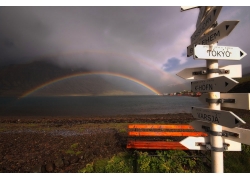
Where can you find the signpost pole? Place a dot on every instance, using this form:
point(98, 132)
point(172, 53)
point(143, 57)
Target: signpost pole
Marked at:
point(216, 141)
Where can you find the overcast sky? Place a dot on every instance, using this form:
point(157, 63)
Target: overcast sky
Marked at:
point(148, 43)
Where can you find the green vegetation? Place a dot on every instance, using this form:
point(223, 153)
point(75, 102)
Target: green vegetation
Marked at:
point(237, 162)
point(73, 150)
point(170, 161)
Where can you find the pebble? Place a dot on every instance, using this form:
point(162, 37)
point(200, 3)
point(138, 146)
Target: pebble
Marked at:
point(49, 167)
point(59, 163)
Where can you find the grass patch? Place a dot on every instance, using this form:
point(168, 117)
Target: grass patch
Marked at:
point(237, 162)
point(172, 161)
point(73, 150)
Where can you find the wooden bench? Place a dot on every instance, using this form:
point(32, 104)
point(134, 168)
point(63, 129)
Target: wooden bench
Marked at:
point(137, 133)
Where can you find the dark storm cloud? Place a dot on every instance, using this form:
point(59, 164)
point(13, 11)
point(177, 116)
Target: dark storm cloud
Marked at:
point(38, 30)
point(135, 41)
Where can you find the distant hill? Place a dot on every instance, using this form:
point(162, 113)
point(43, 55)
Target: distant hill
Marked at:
point(175, 88)
point(17, 79)
point(243, 86)
point(246, 71)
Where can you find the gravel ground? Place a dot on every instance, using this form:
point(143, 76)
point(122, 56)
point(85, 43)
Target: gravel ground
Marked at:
point(67, 144)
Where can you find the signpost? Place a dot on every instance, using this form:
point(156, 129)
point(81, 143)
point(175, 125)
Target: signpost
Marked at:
point(199, 73)
point(235, 134)
point(231, 100)
point(217, 84)
point(224, 118)
point(218, 52)
point(202, 143)
point(206, 23)
point(216, 34)
point(203, 10)
point(217, 80)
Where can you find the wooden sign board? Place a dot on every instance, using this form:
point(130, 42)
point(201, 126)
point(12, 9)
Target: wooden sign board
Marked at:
point(237, 134)
point(224, 118)
point(218, 52)
point(235, 71)
point(218, 84)
point(242, 100)
point(192, 143)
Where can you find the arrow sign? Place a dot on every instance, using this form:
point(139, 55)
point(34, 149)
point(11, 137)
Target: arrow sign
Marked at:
point(218, 52)
point(242, 100)
point(184, 8)
point(202, 13)
point(218, 84)
point(206, 23)
point(192, 143)
point(235, 71)
point(243, 134)
point(219, 32)
point(224, 118)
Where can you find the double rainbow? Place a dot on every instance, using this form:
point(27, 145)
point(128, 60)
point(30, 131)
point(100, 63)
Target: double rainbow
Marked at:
point(90, 73)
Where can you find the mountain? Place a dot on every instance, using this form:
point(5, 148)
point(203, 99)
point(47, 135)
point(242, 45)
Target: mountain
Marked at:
point(175, 87)
point(243, 86)
point(246, 71)
point(16, 80)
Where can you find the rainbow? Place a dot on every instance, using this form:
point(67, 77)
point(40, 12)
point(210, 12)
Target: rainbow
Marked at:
point(90, 73)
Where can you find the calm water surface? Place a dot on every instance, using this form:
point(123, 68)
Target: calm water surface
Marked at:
point(97, 105)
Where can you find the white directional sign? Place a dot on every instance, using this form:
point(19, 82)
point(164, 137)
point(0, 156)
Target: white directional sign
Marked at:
point(184, 8)
point(242, 100)
point(235, 71)
point(192, 143)
point(219, 32)
point(235, 134)
point(202, 13)
point(224, 118)
point(218, 52)
point(206, 23)
point(218, 84)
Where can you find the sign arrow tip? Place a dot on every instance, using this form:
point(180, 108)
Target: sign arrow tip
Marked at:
point(227, 26)
point(241, 53)
point(226, 83)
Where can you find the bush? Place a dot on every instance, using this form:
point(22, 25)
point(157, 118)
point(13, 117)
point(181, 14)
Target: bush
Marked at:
point(171, 161)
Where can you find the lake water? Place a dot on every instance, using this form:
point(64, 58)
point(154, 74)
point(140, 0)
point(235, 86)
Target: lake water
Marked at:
point(87, 106)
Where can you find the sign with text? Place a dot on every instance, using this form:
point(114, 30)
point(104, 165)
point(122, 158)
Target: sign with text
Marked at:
point(235, 71)
point(224, 118)
point(185, 8)
point(235, 134)
point(218, 52)
point(192, 143)
point(218, 84)
point(242, 100)
point(219, 32)
point(202, 14)
point(207, 22)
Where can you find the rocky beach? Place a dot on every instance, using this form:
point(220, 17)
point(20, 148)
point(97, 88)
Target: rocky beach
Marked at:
point(67, 144)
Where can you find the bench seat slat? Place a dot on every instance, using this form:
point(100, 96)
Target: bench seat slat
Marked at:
point(153, 126)
point(155, 145)
point(196, 134)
